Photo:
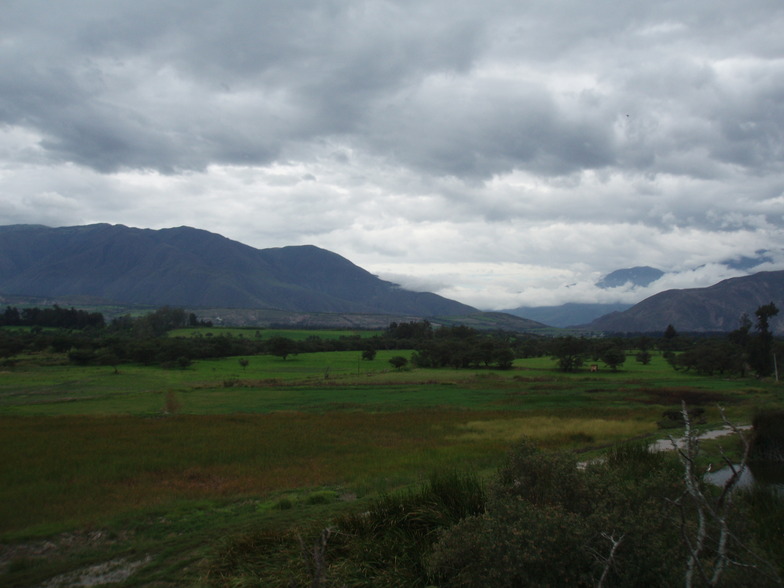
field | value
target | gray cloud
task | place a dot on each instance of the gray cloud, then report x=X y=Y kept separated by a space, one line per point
x=561 y=140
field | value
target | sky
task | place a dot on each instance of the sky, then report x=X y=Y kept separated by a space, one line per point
x=502 y=153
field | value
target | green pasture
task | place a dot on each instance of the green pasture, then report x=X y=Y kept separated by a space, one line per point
x=161 y=457
x=323 y=382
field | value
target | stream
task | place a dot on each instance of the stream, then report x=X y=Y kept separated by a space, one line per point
x=770 y=475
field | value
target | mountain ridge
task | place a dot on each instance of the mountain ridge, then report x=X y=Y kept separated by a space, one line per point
x=196 y=268
x=716 y=308
x=639 y=276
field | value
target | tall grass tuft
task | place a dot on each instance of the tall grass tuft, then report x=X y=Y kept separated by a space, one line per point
x=388 y=545
x=763 y=508
x=632 y=455
x=384 y=546
x=446 y=498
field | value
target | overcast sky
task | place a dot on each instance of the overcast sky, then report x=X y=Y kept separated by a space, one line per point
x=501 y=153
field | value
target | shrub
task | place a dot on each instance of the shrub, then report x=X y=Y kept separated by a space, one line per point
x=398 y=361
x=321 y=497
x=768 y=438
x=516 y=544
x=388 y=545
x=81 y=356
x=548 y=522
x=543 y=479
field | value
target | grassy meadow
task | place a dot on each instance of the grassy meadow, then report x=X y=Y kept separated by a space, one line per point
x=162 y=465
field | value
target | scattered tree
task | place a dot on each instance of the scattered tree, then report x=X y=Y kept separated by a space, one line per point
x=613 y=357
x=761 y=345
x=398 y=361
x=569 y=352
x=282 y=347
x=643 y=357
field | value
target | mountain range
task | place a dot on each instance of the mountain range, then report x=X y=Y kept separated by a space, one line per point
x=196 y=269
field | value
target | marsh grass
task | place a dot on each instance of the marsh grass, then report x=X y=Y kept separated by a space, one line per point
x=550 y=432
x=386 y=544
x=85 y=470
x=81 y=447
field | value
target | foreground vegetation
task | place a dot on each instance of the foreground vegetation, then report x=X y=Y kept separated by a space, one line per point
x=259 y=469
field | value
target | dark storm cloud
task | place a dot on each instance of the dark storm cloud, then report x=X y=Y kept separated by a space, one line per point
x=154 y=86
x=174 y=86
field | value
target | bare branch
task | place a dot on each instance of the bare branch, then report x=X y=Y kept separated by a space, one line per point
x=610 y=559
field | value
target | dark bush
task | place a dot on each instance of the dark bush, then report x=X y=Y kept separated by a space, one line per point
x=768 y=436
x=548 y=522
x=388 y=545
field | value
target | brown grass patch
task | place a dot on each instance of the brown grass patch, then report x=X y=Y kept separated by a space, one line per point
x=677 y=395
x=87 y=468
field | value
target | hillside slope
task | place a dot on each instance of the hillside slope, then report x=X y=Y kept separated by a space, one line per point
x=195 y=268
x=715 y=308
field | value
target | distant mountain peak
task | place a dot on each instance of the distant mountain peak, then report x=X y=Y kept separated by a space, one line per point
x=747 y=263
x=640 y=276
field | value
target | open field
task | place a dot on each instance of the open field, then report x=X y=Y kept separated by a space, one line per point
x=161 y=466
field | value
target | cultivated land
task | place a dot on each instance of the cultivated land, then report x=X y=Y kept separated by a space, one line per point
x=156 y=471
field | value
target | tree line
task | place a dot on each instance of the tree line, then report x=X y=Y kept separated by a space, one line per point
x=61 y=318
x=88 y=339
x=751 y=349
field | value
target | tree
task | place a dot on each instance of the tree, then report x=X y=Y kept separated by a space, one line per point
x=711 y=356
x=157 y=323
x=81 y=356
x=398 y=361
x=282 y=347
x=644 y=357
x=613 y=357
x=570 y=352
x=764 y=314
x=108 y=357
x=11 y=316
x=761 y=345
x=709 y=543
x=369 y=354
x=504 y=358
x=740 y=336
x=244 y=363
x=669 y=340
